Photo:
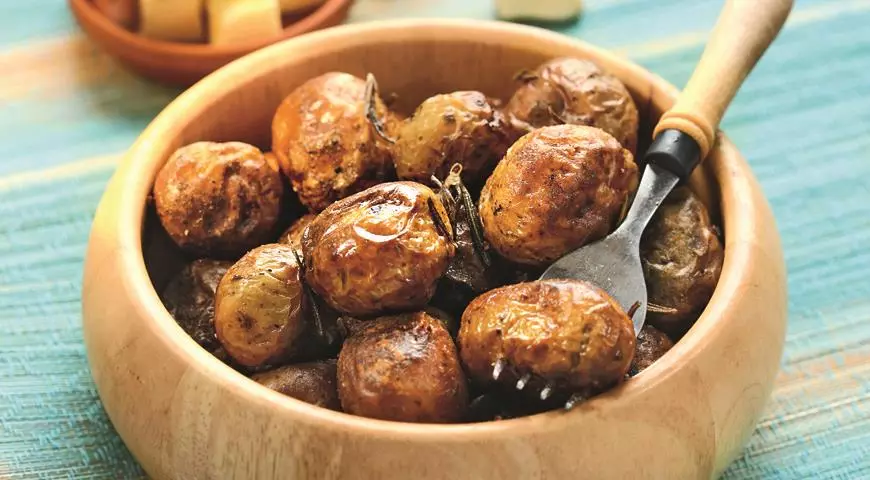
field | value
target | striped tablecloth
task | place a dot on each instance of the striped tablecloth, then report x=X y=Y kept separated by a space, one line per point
x=67 y=112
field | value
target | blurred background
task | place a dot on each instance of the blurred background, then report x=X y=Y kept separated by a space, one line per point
x=68 y=111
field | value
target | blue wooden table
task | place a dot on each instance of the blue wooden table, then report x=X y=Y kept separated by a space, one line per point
x=67 y=112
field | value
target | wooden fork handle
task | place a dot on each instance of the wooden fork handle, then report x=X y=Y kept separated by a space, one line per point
x=743 y=32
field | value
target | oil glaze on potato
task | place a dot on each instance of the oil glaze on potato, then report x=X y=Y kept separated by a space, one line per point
x=651 y=344
x=380 y=250
x=682 y=259
x=218 y=199
x=557 y=189
x=312 y=382
x=189 y=298
x=566 y=332
x=324 y=142
x=293 y=235
x=403 y=368
x=460 y=127
x=575 y=91
x=261 y=312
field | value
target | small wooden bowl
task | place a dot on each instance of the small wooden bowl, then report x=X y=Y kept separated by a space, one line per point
x=183 y=64
x=184 y=414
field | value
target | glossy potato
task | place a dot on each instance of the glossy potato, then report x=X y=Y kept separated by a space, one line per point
x=682 y=258
x=557 y=189
x=574 y=91
x=403 y=368
x=293 y=235
x=460 y=127
x=261 y=310
x=380 y=250
x=312 y=382
x=218 y=199
x=650 y=346
x=189 y=298
x=324 y=142
x=567 y=333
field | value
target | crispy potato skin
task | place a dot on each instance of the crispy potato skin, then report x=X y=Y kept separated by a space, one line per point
x=324 y=143
x=650 y=346
x=260 y=307
x=567 y=332
x=312 y=382
x=189 y=298
x=460 y=127
x=403 y=368
x=293 y=235
x=218 y=199
x=557 y=189
x=682 y=260
x=380 y=250
x=575 y=91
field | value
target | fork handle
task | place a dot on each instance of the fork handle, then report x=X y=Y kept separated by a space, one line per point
x=744 y=30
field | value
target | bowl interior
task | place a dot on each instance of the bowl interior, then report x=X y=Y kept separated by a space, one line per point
x=411 y=63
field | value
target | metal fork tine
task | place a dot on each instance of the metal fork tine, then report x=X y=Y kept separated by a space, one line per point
x=521 y=383
x=498 y=368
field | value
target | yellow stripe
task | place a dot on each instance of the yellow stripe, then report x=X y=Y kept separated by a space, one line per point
x=59 y=172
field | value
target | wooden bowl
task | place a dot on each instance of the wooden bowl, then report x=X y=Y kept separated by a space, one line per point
x=184 y=414
x=183 y=64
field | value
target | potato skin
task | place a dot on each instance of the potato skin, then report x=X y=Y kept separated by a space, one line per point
x=566 y=332
x=189 y=298
x=324 y=142
x=293 y=235
x=218 y=200
x=402 y=368
x=651 y=344
x=574 y=91
x=380 y=250
x=682 y=259
x=312 y=382
x=459 y=127
x=261 y=311
x=557 y=189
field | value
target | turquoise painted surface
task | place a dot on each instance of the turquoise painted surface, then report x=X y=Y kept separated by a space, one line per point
x=802 y=120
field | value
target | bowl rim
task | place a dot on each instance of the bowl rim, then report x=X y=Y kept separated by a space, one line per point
x=138 y=169
x=311 y=22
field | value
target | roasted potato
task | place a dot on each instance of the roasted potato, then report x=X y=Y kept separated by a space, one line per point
x=567 y=334
x=263 y=315
x=460 y=127
x=682 y=260
x=293 y=235
x=574 y=91
x=557 y=189
x=218 y=200
x=650 y=346
x=189 y=298
x=403 y=368
x=380 y=250
x=312 y=382
x=325 y=143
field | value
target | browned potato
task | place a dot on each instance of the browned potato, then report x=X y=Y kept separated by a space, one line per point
x=218 y=199
x=566 y=333
x=557 y=189
x=324 y=142
x=575 y=91
x=262 y=314
x=682 y=259
x=403 y=368
x=380 y=250
x=651 y=345
x=313 y=382
x=293 y=235
x=189 y=298
x=460 y=127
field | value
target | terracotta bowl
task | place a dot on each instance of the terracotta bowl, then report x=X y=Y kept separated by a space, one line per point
x=183 y=64
x=184 y=414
